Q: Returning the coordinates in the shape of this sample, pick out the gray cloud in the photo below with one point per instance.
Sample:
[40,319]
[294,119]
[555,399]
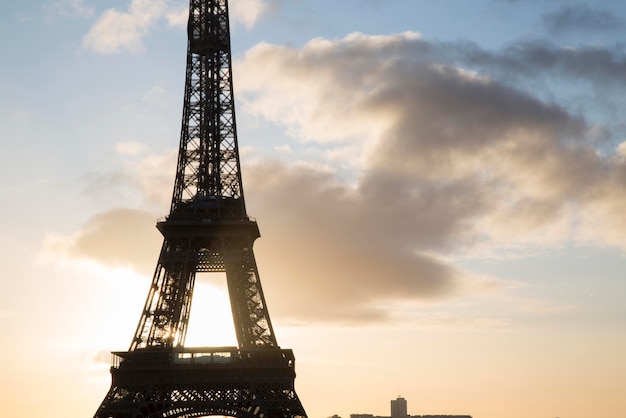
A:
[577,17]
[598,66]
[324,241]
[448,159]
[426,120]
[349,249]
[116,238]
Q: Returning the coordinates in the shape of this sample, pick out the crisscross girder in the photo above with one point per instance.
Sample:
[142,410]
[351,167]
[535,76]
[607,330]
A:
[208,160]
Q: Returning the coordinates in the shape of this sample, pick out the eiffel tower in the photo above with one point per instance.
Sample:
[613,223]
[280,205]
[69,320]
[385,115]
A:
[207,230]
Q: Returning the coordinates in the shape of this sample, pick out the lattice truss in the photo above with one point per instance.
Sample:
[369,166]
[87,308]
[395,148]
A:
[165,316]
[263,400]
[208,161]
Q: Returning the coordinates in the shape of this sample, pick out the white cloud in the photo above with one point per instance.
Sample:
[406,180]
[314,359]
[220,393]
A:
[132,148]
[116,31]
[178,17]
[118,238]
[242,12]
[247,12]
[337,99]
[155,94]
[284,148]
[72,8]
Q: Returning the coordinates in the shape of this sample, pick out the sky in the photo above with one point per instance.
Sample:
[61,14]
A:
[439,187]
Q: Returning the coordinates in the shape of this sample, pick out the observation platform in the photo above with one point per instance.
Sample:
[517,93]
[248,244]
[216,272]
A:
[203,357]
[228,381]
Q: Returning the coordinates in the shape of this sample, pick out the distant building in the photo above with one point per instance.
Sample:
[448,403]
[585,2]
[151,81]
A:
[361,416]
[441,416]
[399,410]
[398,407]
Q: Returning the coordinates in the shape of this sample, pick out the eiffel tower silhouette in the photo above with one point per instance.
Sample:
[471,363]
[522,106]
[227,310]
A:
[207,230]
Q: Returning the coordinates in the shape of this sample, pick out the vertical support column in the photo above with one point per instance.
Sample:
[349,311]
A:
[251,317]
[165,316]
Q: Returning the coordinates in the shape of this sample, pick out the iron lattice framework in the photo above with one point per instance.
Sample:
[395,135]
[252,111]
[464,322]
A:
[207,230]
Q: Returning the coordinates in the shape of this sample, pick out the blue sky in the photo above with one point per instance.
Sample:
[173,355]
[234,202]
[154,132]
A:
[436,181]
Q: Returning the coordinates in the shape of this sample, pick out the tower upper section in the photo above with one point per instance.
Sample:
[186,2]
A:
[208,175]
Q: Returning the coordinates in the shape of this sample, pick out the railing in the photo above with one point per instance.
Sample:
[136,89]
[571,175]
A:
[116,360]
[203,356]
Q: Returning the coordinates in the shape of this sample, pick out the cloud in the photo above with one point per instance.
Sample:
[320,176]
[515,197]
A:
[116,31]
[101,357]
[130,148]
[178,17]
[155,94]
[248,12]
[72,8]
[309,263]
[340,91]
[142,179]
[326,241]
[449,161]
[598,66]
[118,238]
[579,17]
[243,12]
[527,170]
